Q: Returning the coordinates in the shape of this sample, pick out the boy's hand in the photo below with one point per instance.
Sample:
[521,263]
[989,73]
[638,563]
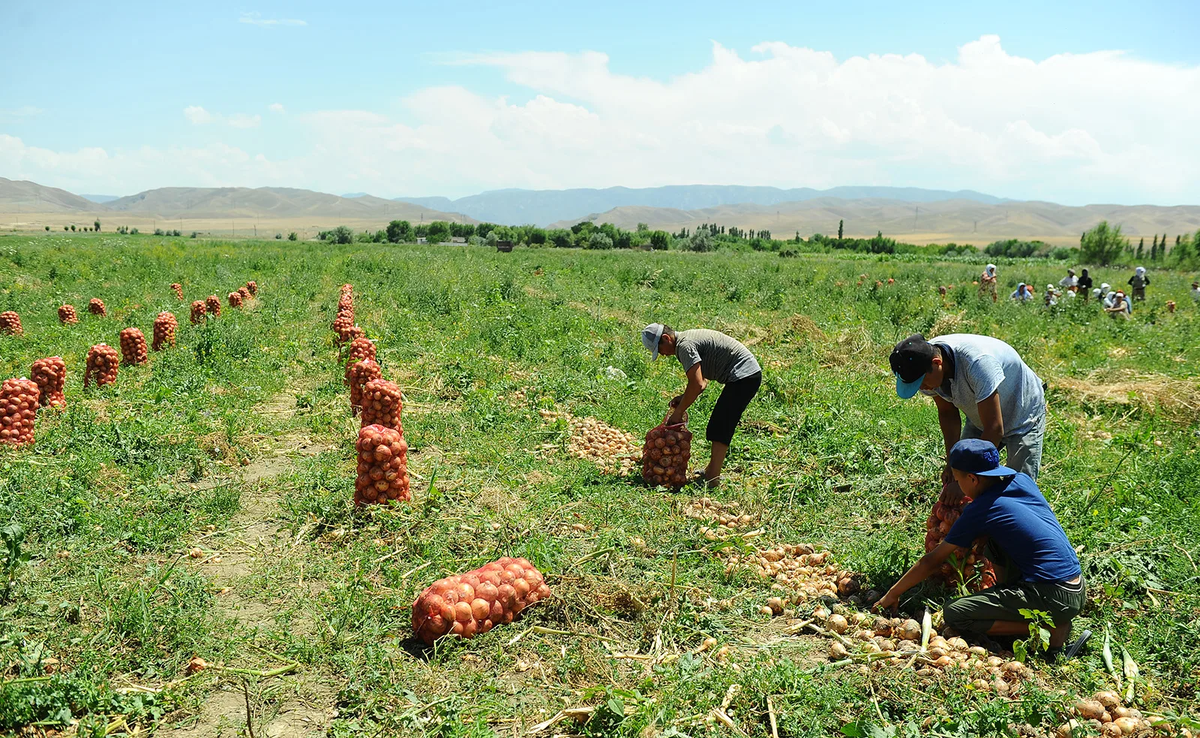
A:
[951,494]
[888,602]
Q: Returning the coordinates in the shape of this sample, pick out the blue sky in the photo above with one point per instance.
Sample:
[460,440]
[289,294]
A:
[447,98]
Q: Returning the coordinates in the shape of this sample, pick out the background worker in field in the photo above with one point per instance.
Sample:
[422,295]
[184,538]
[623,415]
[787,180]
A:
[985,379]
[1036,568]
[708,355]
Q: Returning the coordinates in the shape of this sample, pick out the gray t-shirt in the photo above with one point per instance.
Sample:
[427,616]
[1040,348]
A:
[983,366]
[721,358]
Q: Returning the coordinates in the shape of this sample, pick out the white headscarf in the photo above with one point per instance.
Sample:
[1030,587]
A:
[1104,287]
[1096,292]
[991,270]
[1140,271]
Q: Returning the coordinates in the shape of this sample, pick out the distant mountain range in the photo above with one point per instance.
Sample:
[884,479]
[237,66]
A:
[101,198]
[543,207]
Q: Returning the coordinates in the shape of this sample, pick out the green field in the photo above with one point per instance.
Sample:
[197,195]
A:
[239,442]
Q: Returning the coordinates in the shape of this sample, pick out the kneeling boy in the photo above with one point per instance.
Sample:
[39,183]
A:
[1035,565]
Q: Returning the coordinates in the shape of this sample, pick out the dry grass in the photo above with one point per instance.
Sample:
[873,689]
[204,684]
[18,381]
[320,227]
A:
[1174,398]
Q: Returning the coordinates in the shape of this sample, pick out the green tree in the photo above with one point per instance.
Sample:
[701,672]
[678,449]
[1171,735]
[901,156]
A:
[292,236]
[1142,244]
[72,228]
[96,226]
[399,231]
[341,235]
[599,240]
[642,227]
[840,224]
[660,240]
[1102,244]
[438,232]
[47,227]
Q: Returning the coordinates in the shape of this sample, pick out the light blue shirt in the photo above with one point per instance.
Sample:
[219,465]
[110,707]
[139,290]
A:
[983,366]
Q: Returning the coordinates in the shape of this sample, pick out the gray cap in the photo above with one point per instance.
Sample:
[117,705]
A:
[651,335]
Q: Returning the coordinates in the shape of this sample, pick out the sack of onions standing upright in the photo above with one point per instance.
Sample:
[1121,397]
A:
[705,356]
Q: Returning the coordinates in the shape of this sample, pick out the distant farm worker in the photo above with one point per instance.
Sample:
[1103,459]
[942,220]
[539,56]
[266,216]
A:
[1196,293]
[1022,293]
[1051,295]
[1069,282]
[1139,281]
[1109,298]
[987,282]
[1099,297]
[1121,306]
[985,379]
[1105,288]
[1084,285]
[705,356]
[1036,567]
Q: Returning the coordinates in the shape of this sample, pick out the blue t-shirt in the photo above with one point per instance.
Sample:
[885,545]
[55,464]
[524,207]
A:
[1019,520]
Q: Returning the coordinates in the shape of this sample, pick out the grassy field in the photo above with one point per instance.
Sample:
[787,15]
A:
[239,443]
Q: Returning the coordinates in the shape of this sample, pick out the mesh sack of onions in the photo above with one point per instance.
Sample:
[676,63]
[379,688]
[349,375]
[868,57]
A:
[96,307]
[468,604]
[235,299]
[361,348]
[178,289]
[67,315]
[382,402]
[101,366]
[10,323]
[164,331]
[245,293]
[18,408]
[342,324]
[213,305]
[198,312]
[975,571]
[50,374]
[382,466]
[133,347]
[666,454]
[252,288]
[358,375]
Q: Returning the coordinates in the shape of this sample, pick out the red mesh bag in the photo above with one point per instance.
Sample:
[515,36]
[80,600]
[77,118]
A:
[198,312]
[358,375]
[67,315]
[382,402]
[361,348]
[245,293]
[235,299]
[102,363]
[666,454]
[133,347]
[96,307]
[18,409]
[975,571]
[164,331]
[468,604]
[252,288]
[10,323]
[178,288]
[50,374]
[382,466]
[213,305]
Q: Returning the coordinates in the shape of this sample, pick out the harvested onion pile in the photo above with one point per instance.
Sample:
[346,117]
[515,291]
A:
[469,604]
[10,323]
[1104,714]
[801,569]
[976,572]
[382,466]
[50,374]
[213,305]
[67,315]
[727,516]
[666,454]
[178,289]
[235,300]
[382,402]
[252,288]
[611,449]
[102,363]
[164,331]
[96,307]
[198,312]
[357,376]
[18,408]
[133,347]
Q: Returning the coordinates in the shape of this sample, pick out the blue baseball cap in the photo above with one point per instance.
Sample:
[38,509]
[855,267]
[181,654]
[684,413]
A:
[979,457]
[911,360]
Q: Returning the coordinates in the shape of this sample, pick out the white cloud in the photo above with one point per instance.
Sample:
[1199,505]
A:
[276,107]
[241,120]
[1073,128]
[256,19]
[24,111]
[197,115]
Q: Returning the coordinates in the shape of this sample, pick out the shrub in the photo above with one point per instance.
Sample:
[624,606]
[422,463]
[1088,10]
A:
[96,226]
[438,232]
[1102,244]
[599,240]
[701,241]
[660,240]
[278,236]
[399,231]
[292,236]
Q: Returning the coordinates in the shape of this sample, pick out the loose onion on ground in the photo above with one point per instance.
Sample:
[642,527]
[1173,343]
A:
[18,410]
[133,347]
[101,366]
[96,307]
[164,331]
[727,515]
[67,315]
[468,604]
[382,466]
[613,450]
[198,313]
[10,323]
[50,375]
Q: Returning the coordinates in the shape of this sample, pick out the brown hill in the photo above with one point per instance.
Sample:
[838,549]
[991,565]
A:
[960,221]
[268,202]
[30,197]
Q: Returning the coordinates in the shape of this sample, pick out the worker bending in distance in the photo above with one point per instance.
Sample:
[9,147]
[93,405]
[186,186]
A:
[984,380]
[1036,568]
[708,355]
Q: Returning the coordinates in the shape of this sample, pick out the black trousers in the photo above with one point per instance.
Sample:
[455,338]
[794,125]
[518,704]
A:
[729,408]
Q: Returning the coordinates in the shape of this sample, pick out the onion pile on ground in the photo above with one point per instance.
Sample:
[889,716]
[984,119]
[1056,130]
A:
[252,288]
[198,312]
[235,300]
[611,449]
[666,454]
[10,323]
[469,604]
[213,305]
[96,307]
[358,375]
[178,289]
[976,572]
[133,347]
[164,331]
[727,516]
[801,571]
[382,402]
[18,409]
[50,374]
[1104,714]
[102,363]
[382,466]
[67,315]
